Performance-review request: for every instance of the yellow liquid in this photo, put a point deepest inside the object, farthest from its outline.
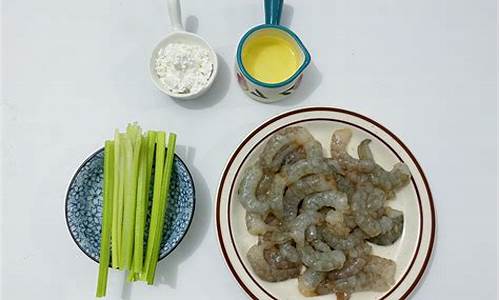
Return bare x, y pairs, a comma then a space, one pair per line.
271, 58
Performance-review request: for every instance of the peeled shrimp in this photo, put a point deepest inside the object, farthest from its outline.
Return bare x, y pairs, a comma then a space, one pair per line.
321, 213
247, 191
276, 259
256, 225
322, 261
264, 187
265, 270
335, 219
389, 181
393, 230
376, 275
309, 281
364, 151
288, 140
275, 237
302, 188
290, 252
360, 205
338, 151
355, 238
330, 198
351, 267
320, 246
305, 167
299, 225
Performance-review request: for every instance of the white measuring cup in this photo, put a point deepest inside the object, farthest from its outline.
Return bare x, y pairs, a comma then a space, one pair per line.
179, 35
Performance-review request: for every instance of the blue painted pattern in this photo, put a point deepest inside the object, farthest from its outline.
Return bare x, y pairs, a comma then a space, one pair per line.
84, 202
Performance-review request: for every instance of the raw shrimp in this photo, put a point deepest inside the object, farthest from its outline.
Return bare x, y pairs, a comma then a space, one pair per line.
247, 190
321, 213
299, 190
256, 225
305, 167
364, 151
392, 230
277, 260
364, 201
272, 220
355, 238
320, 246
338, 150
314, 239
389, 181
330, 198
290, 252
376, 275
264, 187
298, 226
309, 281
351, 267
322, 261
288, 140
295, 156
265, 270
335, 219
311, 233
360, 250
275, 237
276, 192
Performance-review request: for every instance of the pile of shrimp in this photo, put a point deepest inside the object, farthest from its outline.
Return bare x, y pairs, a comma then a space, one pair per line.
315, 216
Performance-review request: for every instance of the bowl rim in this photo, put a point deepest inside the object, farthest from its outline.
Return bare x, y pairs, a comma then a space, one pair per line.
73, 178
156, 81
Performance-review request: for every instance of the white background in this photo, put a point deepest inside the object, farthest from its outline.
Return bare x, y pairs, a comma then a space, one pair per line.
75, 70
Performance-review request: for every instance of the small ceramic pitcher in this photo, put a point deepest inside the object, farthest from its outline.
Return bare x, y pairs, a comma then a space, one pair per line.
270, 59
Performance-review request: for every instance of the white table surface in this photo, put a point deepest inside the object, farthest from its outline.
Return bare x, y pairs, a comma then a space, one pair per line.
75, 70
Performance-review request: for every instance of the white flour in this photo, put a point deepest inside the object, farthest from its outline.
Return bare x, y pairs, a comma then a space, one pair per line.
182, 68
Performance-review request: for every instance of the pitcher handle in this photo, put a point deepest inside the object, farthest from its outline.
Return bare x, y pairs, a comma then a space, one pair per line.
273, 9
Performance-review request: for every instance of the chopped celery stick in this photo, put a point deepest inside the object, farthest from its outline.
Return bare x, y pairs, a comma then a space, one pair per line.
140, 210
117, 199
150, 151
107, 215
157, 193
129, 200
132, 276
165, 187
121, 197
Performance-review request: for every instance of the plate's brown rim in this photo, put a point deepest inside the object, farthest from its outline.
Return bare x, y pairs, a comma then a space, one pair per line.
84, 163
338, 110
420, 232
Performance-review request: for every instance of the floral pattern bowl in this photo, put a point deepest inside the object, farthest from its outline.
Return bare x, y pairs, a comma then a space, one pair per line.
84, 203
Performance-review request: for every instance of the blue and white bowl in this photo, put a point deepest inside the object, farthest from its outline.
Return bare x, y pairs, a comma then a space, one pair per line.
84, 202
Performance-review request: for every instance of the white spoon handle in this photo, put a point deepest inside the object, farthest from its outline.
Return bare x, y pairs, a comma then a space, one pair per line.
174, 11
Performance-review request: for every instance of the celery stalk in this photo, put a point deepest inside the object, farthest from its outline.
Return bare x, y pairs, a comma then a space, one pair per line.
132, 276
139, 249
117, 199
140, 210
156, 206
165, 187
129, 202
107, 215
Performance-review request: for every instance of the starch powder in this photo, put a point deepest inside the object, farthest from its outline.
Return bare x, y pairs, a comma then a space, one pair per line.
183, 68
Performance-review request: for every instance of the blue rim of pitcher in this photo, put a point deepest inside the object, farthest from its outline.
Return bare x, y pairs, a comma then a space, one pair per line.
307, 56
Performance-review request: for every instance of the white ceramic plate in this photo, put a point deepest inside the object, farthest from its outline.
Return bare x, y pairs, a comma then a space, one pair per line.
411, 252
